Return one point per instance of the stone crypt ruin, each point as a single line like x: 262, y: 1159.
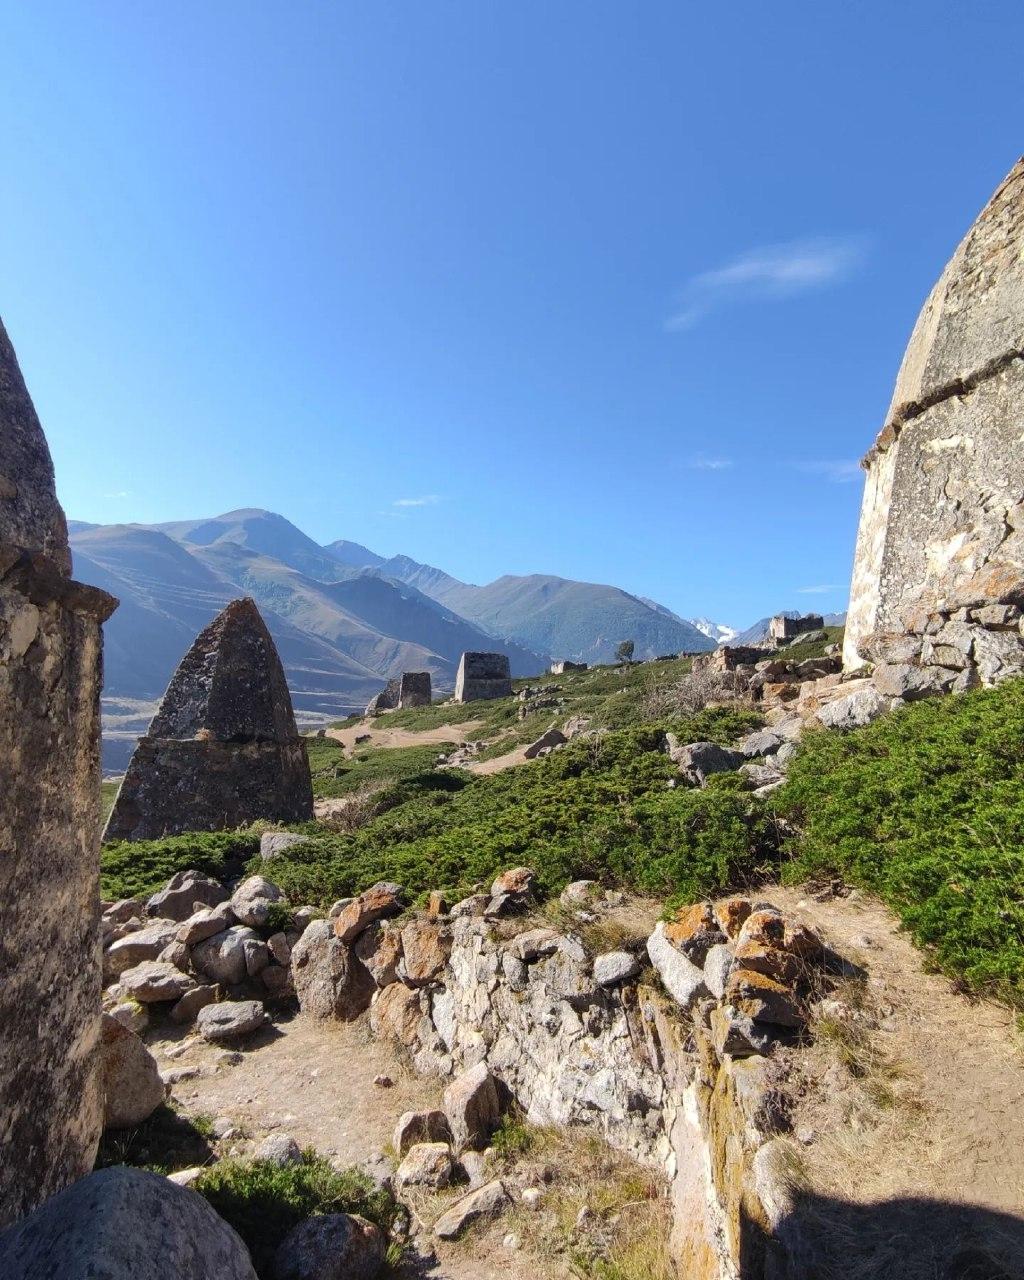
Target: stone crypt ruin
x: 51, y: 1104
x: 223, y: 749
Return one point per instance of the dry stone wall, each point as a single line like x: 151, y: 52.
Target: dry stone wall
x: 51, y: 1105
x: 681, y: 1072
x: 938, y: 578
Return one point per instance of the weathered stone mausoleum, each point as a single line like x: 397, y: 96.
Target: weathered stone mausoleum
x: 223, y: 749
x: 938, y: 581
x: 51, y: 1104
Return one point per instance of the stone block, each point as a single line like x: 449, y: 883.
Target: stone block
x: 483, y: 676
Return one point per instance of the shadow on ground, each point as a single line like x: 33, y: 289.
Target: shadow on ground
x: 903, y: 1239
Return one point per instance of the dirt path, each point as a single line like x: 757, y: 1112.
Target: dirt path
x: 955, y: 1069
x: 499, y: 763
x: 315, y: 1082
x: 380, y: 736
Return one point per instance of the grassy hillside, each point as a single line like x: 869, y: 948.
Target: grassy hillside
x: 925, y: 808
x: 599, y: 808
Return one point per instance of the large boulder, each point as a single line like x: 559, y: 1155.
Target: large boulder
x: 378, y: 902
x: 133, y: 948
x: 153, y: 981
x: 230, y: 1020
x: 252, y: 900
x: 131, y: 1078
x: 223, y: 956
x: 177, y: 899
x: 124, y: 1224
x: 330, y: 1246
x: 473, y: 1107
x: 395, y: 1013
x: 329, y: 980
x: 697, y: 761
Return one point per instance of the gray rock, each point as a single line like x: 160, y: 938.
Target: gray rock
x: 546, y: 741
x: 488, y: 1201
x: 330, y: 1246
x: 204, y: 923
x: 191, y: 1002
x: 133, y: 948
x: 124, y: 1224
x: 473, y: 1107
x: 855, y: 709
x: 717, y: 964
x: 681, y: 977
x: 280, y: 1148
x: 223, y: 956
x: 697, y: 761
x: 230, y: 1020
x: 274, y: 842
x: 535, y: 943
x: 252, y: 899
x: 177, y: 899
x: 910, y: 683
x: 131, y: 1015
x: 475, y: 905
x: 154, y: 980
x: 415, y: 1127
x: 614, y: 967
x: 330, y: 981
x: 761, y: 743
x: 132, y: 1086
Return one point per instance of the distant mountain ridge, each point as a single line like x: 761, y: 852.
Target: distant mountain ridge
x: 344, y: 618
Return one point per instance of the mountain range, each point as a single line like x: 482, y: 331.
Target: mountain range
x: 344, y: 618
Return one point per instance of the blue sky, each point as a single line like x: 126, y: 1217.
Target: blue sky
x: 611, y: 291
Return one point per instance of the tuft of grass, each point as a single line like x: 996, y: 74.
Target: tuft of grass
x: 513, y: 1137
x: 925, y: 808
x: 263, y: 1201
x: 168, y: 1141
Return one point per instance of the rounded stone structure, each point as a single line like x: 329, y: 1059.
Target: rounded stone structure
x: 938, y: 579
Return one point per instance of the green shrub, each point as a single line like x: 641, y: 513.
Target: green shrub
x: 925, y: 807
x: 400, y: 772
x: 129, y: 868
x: 263, y: 1200
x: 598, y: 808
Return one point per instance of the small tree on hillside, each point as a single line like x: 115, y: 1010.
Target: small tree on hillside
x: 624, y: 652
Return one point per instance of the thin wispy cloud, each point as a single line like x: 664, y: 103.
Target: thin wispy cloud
x: 701, y: 462
x: 428, y: 500
x: 121, y: 493
x: 822, y: 590
x: 768, y: 274
x: 835, y: 470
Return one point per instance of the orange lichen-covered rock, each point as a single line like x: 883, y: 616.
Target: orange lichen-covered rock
x: 425, y: 947
x: 766, y: 926
x: 774, y: 962
x: 731, y: 914
x: 396, y: 1012
x: 764, y: 999
x: 694, y: 930
x: 380, y: 900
